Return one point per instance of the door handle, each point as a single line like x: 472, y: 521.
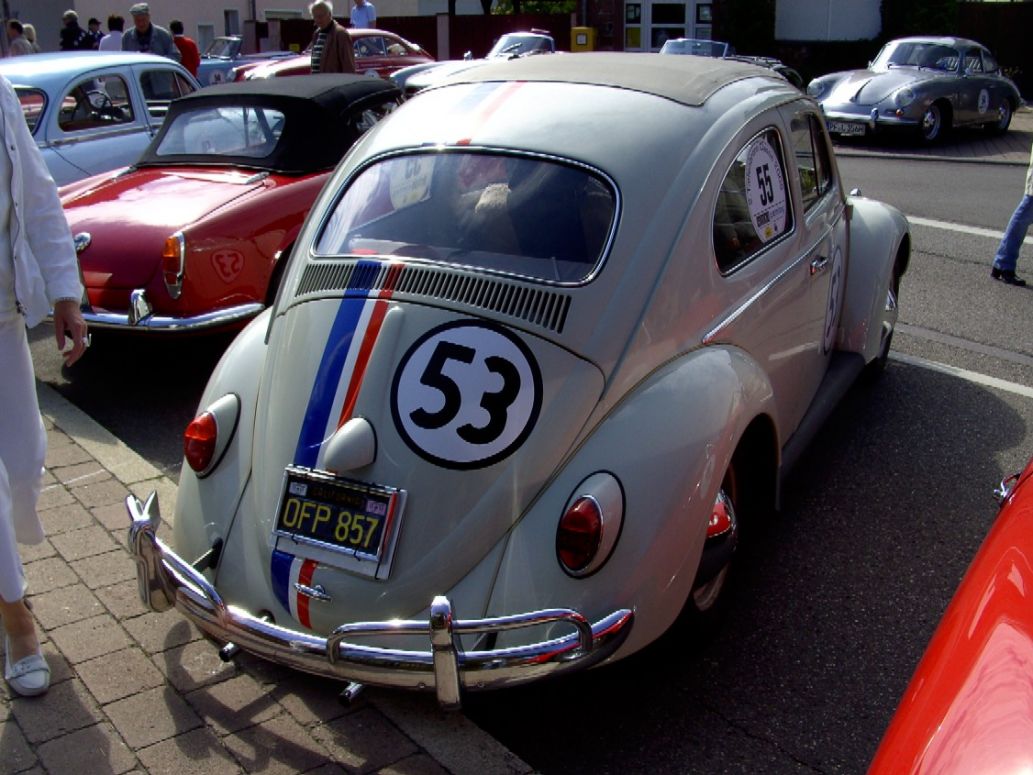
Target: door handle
x: 818, y: 264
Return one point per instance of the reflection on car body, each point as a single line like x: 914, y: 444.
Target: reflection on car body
x: 530, y: 366
x: 923, y: 85
x: 90, y: 111
x: 969, y: 706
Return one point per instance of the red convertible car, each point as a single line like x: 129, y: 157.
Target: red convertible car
x: 376, y: 53
x: 194, y: 235
x: 969, y: 706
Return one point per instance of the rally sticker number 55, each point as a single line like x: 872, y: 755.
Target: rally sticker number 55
x: 466, y: 394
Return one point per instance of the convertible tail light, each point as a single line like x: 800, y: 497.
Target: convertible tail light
x: 588, y: 530
x: 577, y: 539
x: 199, y: 441
x: 208, y: 435
x: 173, y: 263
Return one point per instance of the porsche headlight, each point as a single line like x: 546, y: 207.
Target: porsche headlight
x: 903, y: 98
x: 815, y: 89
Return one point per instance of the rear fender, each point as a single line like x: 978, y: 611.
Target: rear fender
x: 877, y: 231
x: 668, y: 443
x: 205, y: 506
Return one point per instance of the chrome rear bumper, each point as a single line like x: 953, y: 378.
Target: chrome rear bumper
x: 166, y: 580
x: 140, y: 316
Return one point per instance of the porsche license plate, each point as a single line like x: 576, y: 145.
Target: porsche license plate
x: 338, y: 514
x: 847, y: 128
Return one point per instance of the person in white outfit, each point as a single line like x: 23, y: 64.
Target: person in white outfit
x: 38, y: 272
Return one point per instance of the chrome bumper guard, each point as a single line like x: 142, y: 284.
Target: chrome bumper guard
x: 166, y: 580
x: 140, y: 316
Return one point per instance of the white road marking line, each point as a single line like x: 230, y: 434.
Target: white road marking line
x: 969, y: 376
x: 960, y: 227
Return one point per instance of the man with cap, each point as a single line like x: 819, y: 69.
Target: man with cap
x: 146, y: 37
x: 74, y: 37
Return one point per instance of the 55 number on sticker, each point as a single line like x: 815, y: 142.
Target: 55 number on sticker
x: 466, y: 394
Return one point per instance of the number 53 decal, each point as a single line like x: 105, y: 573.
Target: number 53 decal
x: 466, y: 394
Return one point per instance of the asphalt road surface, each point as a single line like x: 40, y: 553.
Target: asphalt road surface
x: 833, y: 598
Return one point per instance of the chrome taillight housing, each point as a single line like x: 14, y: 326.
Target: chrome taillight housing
x: 208, y: 435
x: 590, y: 525
x: 174, y: 263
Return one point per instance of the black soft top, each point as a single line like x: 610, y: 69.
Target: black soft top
x: 316, y: 130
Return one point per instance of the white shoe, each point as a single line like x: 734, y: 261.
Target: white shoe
x: 29, y: 676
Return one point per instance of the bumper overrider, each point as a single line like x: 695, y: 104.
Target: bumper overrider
x: 166, y: 580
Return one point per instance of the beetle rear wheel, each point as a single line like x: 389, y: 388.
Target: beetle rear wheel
x: 718, y: 548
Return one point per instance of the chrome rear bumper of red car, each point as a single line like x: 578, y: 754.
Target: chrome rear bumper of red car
x: 140, y: 317
x: 166, y: 580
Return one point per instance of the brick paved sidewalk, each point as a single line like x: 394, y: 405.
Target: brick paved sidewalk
x: 144, y: 692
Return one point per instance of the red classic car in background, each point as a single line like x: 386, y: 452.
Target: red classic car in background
x: 376, y: 53
x: 194, y: 235
x: 969, y: 706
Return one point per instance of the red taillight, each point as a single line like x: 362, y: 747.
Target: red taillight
x: 579, y: 533
x: 199, y: 441
x: 173, y: 255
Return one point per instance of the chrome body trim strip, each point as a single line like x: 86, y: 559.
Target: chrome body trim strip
x: 166, y: 580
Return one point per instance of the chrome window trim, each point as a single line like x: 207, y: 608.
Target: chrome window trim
x: 313, y: 257
x: 713, y: 209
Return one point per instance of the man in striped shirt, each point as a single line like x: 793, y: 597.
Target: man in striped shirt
x: 332, y: 50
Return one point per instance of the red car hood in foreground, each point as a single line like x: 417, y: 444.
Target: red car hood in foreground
x: 969, y: 707
x: 129, y: 217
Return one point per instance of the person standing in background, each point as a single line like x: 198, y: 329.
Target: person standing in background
x: 148, y: 38
x: 30, y: 35
x: 332, y: 49
x: 363, y: 14
x: 93, y: 30
x: 190, y: 57
x: 113, y: 40
x: 38, y: 272
x: 1007, y: 256
x: 73, y: 37
x: 17, y: 44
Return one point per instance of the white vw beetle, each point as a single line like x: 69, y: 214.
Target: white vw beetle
x: 551, y: 329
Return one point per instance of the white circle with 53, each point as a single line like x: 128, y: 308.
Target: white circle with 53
x: 984, y: 101
x: 834, y: 306
x: 466, y: 394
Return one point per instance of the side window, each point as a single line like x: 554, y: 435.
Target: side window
x: 93, y: 103
x: 753, y: 204
x: 811, y: 153
x: 370, y: 46
x: 973, y: 64
x: 160, y: 87
x: 989, y: 63
x: 33, y: 103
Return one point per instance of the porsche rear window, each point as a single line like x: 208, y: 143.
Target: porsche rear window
x: 238, y: 130
x: 32, y: 101
x: 532, y: 217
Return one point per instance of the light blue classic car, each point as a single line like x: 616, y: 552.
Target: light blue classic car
x: 93, y: 111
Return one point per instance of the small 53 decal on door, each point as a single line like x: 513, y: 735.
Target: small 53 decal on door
x: 466, y: 394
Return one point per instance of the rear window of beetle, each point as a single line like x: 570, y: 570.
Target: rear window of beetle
x: 527, y: 216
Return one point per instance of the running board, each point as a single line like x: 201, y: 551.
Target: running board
x: 844, y: 369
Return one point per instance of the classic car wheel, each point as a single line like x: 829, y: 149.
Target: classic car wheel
x: 706, y: 594
x: 1003, y: 122
x: 933, y: 124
